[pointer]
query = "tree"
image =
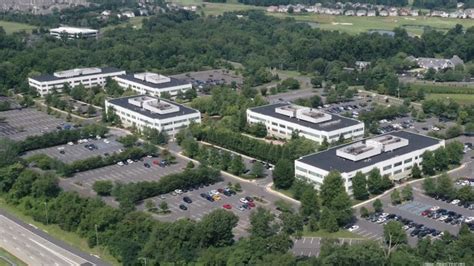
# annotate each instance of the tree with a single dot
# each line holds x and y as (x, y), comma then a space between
(257, 170)
(324, 144)
(465, 194)
(190, 165)
(364, 212)
(237, 166)
(359, 186)
(395, 197)
(428, 164)
(386, 183)
(216, 228)
(454, 152)
(394, 233)
(283, 174)
(328, 221)
(261, 223)
(444, 186)
(190, 147)
(8, 152)
(309, 203)
(377, 205)
(103, 187)
(291, 222)
(149, 205)
(407, 192)
(429, 186)
(128, 140)
(416, 172)
(374, 181)
(331, 187)
(441, 159)
(164, 206)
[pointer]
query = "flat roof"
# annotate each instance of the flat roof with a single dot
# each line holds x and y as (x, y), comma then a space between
(329, 161)
(50, 77)
(123, 102)
(172, 83)
(269, 110)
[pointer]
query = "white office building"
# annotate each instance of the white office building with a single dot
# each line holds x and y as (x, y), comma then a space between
(152, 84)
(89, 77)
(282, 119)
(73, 33)
(146, 111)
(394, 154)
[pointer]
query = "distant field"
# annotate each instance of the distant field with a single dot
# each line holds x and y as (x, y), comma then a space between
(135, 22)
(459, 98)
(11, 27)
(443, 88)
(354, 25)
(6, 259)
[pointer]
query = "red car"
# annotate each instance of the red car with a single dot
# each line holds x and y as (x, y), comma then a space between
(156, 162)
(251, 204)
(426, 212)
(227, 206)
(220, 190)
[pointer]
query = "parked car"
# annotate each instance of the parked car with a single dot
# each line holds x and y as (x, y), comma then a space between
(178, 191)
(187, 200)
(249, 199)
(120, 163)
(227, 206)
(243, 200)
(353, 228)
(455, 202)
(183, 207)
(147, 165)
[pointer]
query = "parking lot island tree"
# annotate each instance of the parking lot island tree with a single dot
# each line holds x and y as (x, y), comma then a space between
(377, 205)
(103, 187)
(407, 193)
(395, 197)
(328, 221)
(394, 234)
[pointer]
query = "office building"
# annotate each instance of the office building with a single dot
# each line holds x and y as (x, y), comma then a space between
(73, 33)
(152, 84)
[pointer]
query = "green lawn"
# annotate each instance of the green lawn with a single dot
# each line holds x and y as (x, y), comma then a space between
(354, 25)
(11, 27)
(339, 234)
(135, 22)
(459, 98)
(10, 258)
(56, 232)
(213, 9)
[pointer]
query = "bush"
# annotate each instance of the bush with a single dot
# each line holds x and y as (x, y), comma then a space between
(103, 187)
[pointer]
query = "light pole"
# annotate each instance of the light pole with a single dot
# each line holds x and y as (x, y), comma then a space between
(46, 210)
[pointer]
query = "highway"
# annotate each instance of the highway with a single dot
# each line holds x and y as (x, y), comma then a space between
(36, 247)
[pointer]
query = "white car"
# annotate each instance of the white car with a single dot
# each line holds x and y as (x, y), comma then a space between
(149, 156)
(444, 217)
(381, 220)
(406, 227)
(383, 215)
(213, 192)
(70, 143)
(106, 141)
(455, 202)
(434, 208)
(243, 200)
(178, 191)
(469, 219)
(353, 228)
(120, 163)
(130, 161)
(98, 137)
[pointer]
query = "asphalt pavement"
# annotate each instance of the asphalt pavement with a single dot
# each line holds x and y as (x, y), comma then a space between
(36, 247)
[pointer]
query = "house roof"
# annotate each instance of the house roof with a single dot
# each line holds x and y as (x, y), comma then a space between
(49, 77)
(269, 110)
(123, 102)
(172, 83)
(329, 161)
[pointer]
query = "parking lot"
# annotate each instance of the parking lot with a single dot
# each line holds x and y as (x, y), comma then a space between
(69, 153)
(200, 206)
(21, 123)
(311, 246)
(133, 172)
(203, 80)
(419, 222)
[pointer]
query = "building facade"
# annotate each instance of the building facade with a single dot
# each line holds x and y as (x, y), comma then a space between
(394, 154)
(74, 33)
(89, 77)
(152, 84)
(283, 119)
(150, 112)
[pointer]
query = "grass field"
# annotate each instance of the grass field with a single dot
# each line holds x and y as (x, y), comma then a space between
(6, 259)
(56, 232)
(339, 234)
(135, 22)
(459, 98)
(11, 27)
(354, 25)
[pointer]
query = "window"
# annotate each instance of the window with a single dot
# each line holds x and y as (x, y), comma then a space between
(397, 172)
(408, 160)
(408, 168)
(397, 164)
(387, 167)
